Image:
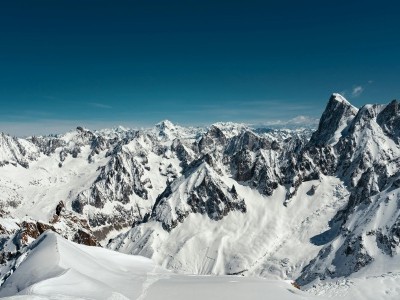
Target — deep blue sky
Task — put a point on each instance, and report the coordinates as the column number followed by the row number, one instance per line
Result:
column 104, row 63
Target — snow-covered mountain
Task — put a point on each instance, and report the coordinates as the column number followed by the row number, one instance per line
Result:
column 296, row 204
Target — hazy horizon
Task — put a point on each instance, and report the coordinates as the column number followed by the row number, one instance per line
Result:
column 134, row 63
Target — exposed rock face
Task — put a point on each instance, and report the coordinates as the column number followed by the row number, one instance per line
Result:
column 29, row 230
column 348, row 259
column 59, row 208
column 389, row 120
column 335, row 119
column 121, row 183
column 83, row 237
column 117, row 181
column 213, row 138
column 260, row 162
column 388, row 239
column 16, row 151
column 199, row 190
column 185, row 154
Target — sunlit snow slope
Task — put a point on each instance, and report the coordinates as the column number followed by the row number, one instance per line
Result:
column 54, row 268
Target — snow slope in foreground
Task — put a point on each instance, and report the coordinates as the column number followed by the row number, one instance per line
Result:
column 54, row 268
column 58, row 269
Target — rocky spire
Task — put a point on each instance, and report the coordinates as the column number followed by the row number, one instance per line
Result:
column 335, row 119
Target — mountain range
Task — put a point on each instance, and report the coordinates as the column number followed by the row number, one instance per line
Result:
column 310, row 206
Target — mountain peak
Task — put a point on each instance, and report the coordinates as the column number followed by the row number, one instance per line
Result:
column 166, row 130
column 165, row 124
column 339, row 98
column 389, row 120
column 200, row 190
column 337, row 116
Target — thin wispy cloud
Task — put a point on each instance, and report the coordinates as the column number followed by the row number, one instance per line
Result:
column 268, row 111
column 296, row 121
column 100, row 105
column 357, row 91
column 255, row 107
column 303, row 120
column 56, row 126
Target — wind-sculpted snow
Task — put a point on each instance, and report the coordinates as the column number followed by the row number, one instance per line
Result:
column 228, row 199
column 53, row 268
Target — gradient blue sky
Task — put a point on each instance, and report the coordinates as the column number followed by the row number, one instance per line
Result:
column 102, row 63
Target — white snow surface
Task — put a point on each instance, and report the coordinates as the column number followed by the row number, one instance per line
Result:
column 55, row 268
column 39, row 188
column 262, row 242
column 338, row 97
